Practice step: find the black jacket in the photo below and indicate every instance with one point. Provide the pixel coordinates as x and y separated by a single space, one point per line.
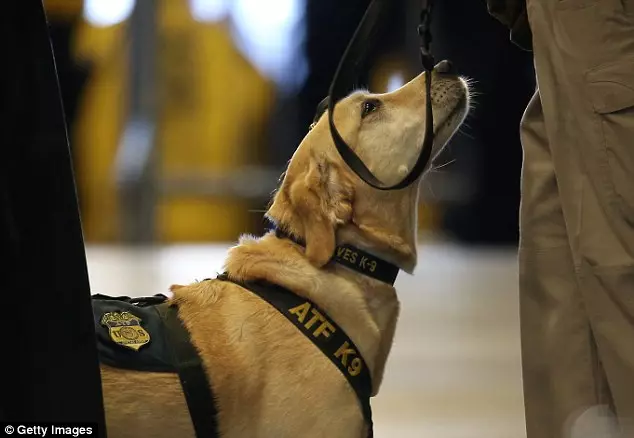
512 13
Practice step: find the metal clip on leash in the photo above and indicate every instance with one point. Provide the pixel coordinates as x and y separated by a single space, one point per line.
346 74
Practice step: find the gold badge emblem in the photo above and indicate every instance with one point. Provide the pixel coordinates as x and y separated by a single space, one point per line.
125 329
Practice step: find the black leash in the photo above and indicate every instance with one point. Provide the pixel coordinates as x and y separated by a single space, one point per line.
346 74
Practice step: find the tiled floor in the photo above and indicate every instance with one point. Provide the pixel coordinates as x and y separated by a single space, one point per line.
454 371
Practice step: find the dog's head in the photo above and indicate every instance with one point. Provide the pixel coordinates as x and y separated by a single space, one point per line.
320 195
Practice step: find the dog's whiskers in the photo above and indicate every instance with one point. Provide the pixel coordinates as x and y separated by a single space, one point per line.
429 187
466 134
442 166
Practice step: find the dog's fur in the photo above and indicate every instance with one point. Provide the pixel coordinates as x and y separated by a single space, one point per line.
269 380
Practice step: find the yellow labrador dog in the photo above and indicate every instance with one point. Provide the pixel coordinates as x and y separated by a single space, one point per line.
269 380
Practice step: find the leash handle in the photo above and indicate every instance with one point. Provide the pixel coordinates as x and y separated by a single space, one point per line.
349 62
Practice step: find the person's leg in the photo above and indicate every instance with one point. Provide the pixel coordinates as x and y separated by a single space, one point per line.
584 59
559 362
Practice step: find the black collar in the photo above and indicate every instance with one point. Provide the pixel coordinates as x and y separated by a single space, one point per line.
354 258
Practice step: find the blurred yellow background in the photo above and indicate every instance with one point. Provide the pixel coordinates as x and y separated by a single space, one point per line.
212 120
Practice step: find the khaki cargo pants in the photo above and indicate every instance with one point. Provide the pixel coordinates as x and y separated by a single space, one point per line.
577 221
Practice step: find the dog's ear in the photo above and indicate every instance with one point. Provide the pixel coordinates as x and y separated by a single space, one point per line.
310 197
311 202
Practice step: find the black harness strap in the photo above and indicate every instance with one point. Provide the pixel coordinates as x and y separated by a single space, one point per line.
191 372
322 331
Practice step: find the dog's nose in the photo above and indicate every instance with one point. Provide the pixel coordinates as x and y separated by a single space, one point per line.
444 66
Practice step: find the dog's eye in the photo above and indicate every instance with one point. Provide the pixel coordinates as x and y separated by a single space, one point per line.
369 106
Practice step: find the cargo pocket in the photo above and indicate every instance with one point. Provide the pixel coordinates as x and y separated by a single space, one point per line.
611 91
